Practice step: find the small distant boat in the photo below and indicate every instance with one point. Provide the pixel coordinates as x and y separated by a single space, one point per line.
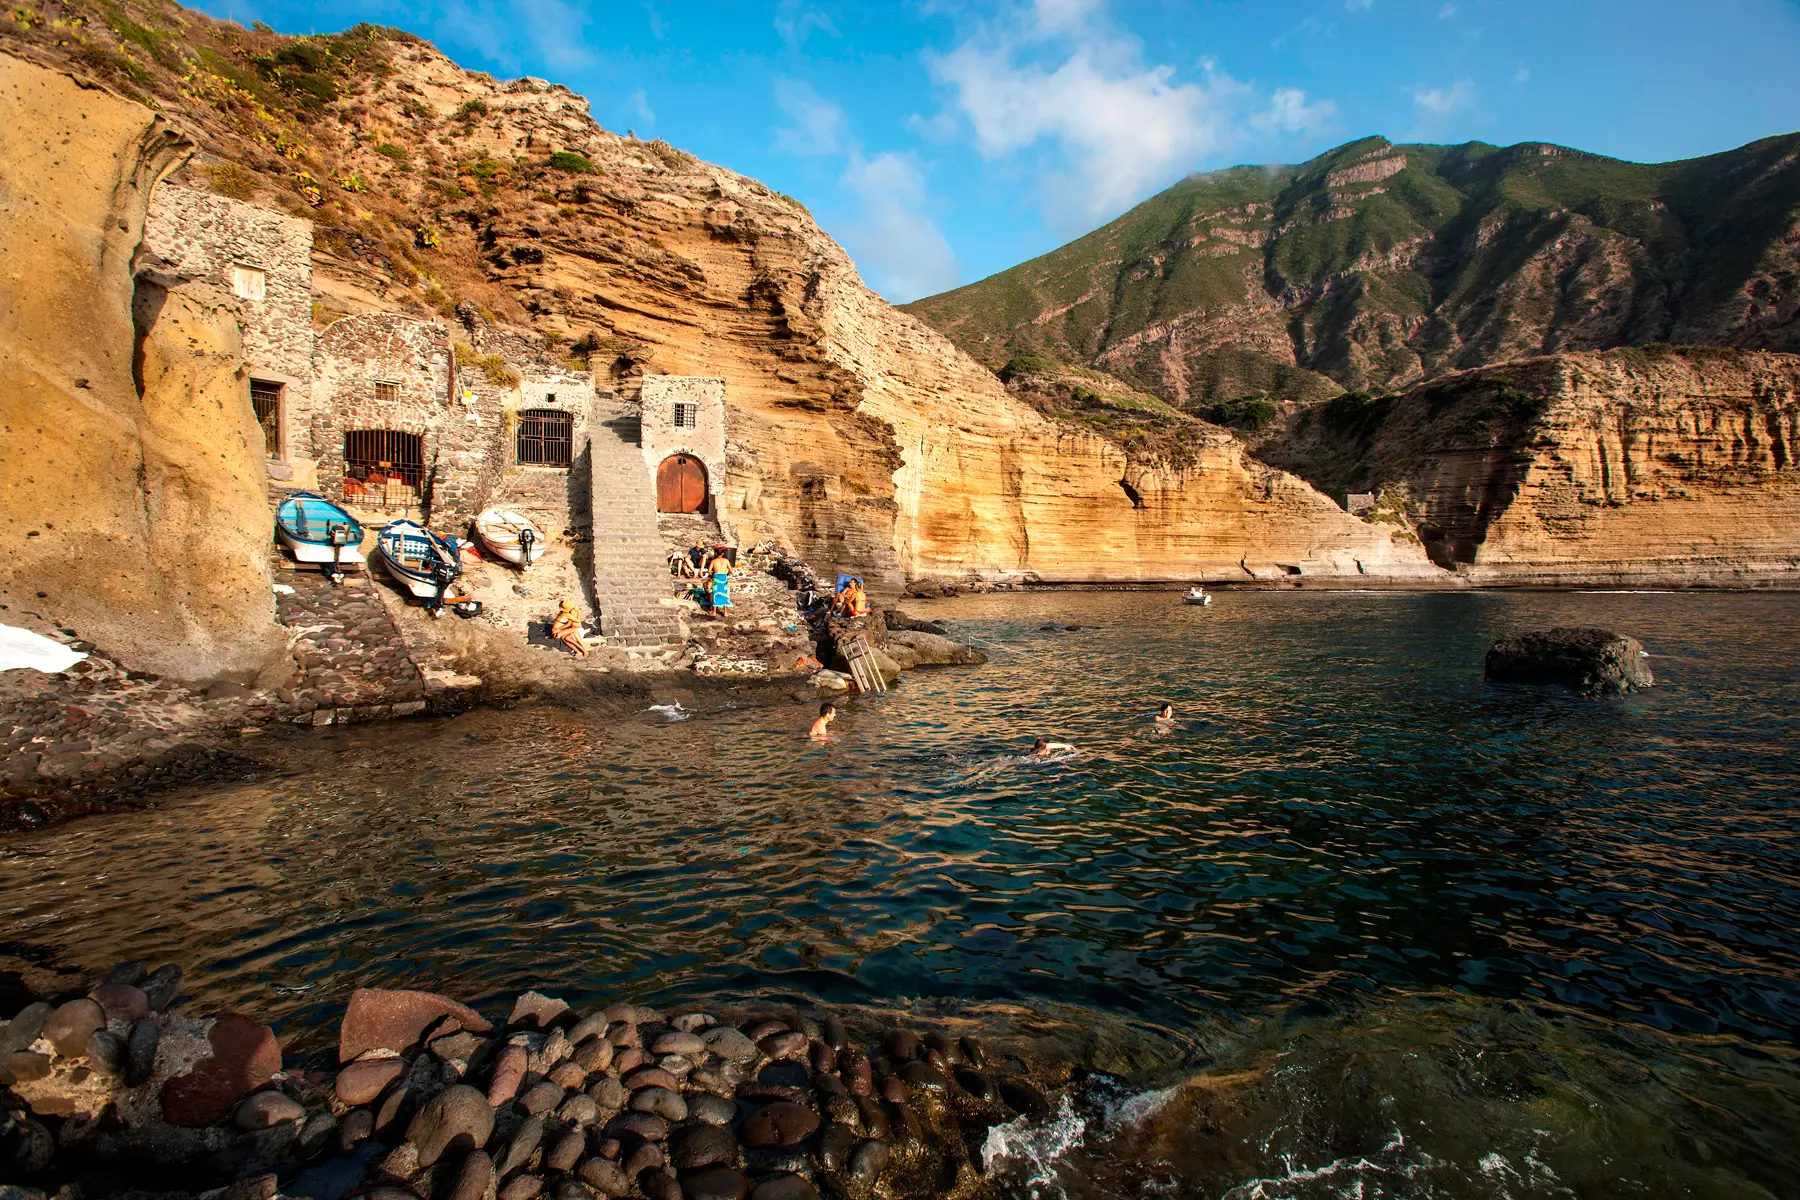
425 562
315 530
511 536
1197 595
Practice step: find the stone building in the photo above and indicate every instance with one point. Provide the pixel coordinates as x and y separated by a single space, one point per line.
683 439
264 259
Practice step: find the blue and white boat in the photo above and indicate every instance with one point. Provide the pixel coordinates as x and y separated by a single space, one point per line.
424 562
315 530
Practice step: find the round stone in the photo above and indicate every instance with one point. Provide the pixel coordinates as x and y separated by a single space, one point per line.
973 1052
607 1178
677 1065
942 1045
835 1146
568 1075
714 1183
835 1035
974 1083
648 1077
762 1029
356 1128
843 1110
316 1133
520 1146
595 1054
892 1090
874 1118
1024 1099
902 1046
714 1110
567 1151
509 1072
783 1045
678 1043
70 1026
608 1093
858 1076
922 1074
645 1127
729 1044
783 1074
701 1146
623 1035
659 1185
692 1022
121 1002
519 1187
265 1110
647 1156
543 1098
362 1081
106 1052
782 1123
661 1101
456 1116
140 1050
475 1177
579 1110
785 1187
823 1057
629 1059
829 1085
868 1160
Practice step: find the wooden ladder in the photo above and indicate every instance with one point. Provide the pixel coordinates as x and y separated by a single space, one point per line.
861 658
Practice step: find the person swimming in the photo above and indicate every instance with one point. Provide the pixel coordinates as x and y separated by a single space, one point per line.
822 723
1165 714
1042 749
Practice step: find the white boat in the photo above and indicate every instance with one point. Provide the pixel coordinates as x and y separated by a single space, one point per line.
315 530
1197 596
511 536
421 560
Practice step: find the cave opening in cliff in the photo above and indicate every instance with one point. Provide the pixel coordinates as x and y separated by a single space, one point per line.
383 468
1136 498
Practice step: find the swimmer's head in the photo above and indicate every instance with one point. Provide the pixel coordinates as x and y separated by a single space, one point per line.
1039 746
1165 712
828 710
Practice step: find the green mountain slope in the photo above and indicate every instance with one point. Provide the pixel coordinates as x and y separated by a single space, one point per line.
1377 265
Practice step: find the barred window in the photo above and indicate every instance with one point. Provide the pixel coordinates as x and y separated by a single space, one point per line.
387 393
546 438
686 415
383 468
265 398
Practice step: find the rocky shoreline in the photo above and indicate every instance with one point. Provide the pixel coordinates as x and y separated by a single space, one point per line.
115 1092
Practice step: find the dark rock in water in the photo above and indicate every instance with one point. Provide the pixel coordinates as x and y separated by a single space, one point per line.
140 1050
823 1058
974 1083
714 1110
1024 1099
71 1025
893 1090
942 1045
381 1019
661 1101
714 1183
522 1187
566 1152
1050 627
829 1085
922 1074
132 971
357 1127
874 1118
475 1178
161 986
265 1110
973 1052
868 1160
455 1117
782 1123
121 1001
785 1187
1592 662
902 1046
701 1146
858 1076
783 1074
659 1185
26 1147
244 1057
534 1011
835 1146
835 1035
316 1133
607 1178
729 1044
898 620
520 1147
362 1081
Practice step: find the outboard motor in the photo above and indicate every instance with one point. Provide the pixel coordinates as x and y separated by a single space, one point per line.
527 539
340 537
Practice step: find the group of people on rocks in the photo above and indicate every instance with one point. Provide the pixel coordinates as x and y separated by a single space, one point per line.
712 566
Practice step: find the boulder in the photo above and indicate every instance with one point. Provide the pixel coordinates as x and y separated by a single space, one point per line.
898 621
362 1081
1591 662
456 1116
383 1019
935 650
244 1057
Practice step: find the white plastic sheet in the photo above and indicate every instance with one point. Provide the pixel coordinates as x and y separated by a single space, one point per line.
23 648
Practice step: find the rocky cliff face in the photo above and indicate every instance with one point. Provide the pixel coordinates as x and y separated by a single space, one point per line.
1658 466
131 503
859 435
1377 266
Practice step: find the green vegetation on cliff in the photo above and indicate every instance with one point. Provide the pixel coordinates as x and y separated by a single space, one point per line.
1376 265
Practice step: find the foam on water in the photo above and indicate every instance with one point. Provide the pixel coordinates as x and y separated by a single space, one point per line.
1029 1150
674 712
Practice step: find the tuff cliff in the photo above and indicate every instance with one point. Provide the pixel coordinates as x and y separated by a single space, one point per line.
859 435
1665 466
131 474
1378 265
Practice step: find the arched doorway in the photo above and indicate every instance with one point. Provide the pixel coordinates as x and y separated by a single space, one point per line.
681 484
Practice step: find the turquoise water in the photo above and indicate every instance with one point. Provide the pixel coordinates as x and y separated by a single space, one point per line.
1532 929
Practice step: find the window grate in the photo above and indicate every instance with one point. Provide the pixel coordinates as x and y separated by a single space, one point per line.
265 398
686 415
387 393
382 468
546 438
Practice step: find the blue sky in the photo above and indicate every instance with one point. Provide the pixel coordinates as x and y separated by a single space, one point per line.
942 142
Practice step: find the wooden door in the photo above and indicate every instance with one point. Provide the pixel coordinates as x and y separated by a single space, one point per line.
681 485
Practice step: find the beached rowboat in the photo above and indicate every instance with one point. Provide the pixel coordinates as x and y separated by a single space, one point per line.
315 530
510 536
425 563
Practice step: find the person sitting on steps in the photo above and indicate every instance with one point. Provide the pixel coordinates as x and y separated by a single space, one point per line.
565 627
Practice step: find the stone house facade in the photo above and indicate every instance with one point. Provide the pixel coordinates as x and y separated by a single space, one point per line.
683 418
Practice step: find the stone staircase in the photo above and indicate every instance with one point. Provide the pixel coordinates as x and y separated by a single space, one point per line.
631 572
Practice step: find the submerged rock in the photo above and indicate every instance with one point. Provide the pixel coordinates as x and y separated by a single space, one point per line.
1591 662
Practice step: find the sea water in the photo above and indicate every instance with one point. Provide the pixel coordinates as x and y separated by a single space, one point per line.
1355 924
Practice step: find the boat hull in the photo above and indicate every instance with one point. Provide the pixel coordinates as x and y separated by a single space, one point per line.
412 555
498 532
305 523
313 552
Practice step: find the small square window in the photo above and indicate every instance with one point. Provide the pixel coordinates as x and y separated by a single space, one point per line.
248 282
387 393
549 397
685 415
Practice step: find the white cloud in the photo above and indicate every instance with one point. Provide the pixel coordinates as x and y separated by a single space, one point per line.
1446 12
795 22
640 104
900 251
1434 106
1064 16
1288 112
1121 125
818 124
550 33
1358 5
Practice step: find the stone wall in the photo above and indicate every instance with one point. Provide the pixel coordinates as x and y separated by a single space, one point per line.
555 498
705 440
203 237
